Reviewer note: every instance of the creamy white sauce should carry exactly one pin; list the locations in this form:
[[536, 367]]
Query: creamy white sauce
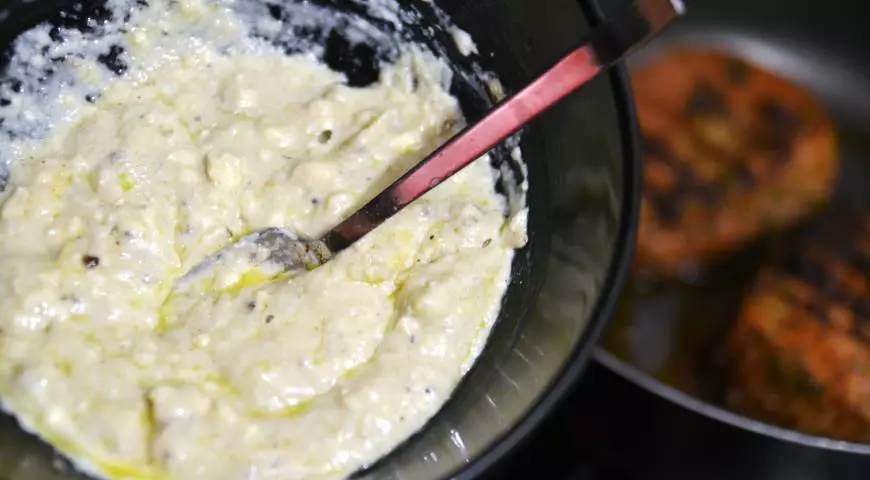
[[208, 136]]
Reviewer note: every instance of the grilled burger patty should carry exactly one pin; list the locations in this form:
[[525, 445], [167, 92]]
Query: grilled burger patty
[[801, 345], [730, 151]]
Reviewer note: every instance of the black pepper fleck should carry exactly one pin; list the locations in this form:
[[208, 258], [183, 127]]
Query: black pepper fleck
[[252, 305], [429, 390], [431, 237], [90, 261], [315, 201], [487, 242], [274, 11], [324, 136], [269, 318]]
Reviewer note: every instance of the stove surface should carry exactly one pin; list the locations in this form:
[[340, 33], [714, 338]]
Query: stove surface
[[560, 450]]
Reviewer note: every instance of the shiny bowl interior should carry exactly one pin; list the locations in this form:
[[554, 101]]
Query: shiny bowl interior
[[582, 199]]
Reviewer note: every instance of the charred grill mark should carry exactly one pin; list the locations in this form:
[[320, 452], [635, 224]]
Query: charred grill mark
[[838, 272], [774, 138], [737, 71], [777, 133], [743, 177], [781, 121], [808, 304], [780, 153], [652, 146], [842, 238], [669, 205], [685, 177], [818, 311], [712, 193], [668, 208], [706, 100]]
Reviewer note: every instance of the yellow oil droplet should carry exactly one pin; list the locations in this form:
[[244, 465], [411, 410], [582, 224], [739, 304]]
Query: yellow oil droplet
[[64, 367], [249, 279], [126, 183], [60, 184], [113, 470], [131, 472], [288, 412]]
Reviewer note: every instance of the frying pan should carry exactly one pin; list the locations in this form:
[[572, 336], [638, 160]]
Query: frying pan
[[583, 200], [657, 388]]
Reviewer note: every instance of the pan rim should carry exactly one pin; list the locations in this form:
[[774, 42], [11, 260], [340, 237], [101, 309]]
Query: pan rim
[[693, 404]]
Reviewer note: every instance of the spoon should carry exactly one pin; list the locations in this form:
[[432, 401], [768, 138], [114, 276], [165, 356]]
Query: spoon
[[607, 44]]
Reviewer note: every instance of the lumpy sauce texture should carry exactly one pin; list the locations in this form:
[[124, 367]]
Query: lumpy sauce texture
[[129, 181]]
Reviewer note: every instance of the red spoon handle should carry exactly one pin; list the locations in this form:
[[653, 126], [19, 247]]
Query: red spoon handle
[[569, 74], [606, 45]]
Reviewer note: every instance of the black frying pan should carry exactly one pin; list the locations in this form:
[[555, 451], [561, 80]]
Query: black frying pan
[[659, 381]]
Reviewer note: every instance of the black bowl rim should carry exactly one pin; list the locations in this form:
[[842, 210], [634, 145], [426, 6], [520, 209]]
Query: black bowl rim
[[693, 404], [565, 381]]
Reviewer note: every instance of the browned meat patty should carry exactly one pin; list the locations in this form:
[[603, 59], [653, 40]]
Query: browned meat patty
[[731, 151], [801, 345]]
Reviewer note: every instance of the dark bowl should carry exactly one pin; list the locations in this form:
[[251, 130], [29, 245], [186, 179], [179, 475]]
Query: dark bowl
[[583, 200]]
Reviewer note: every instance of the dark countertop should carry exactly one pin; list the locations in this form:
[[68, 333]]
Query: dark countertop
[[560, 450]]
